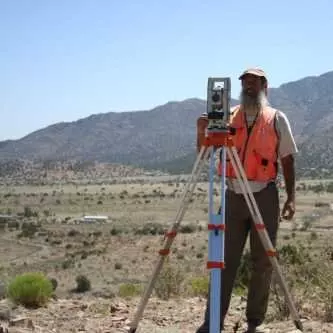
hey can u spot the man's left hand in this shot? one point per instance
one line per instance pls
(288, 210)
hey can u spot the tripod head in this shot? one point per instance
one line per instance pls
(218, 104)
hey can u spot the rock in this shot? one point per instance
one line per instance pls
(3, 327)
(19, 330)
(22, 322)
(113, 308)
(5, 313)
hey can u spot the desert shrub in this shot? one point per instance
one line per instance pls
(73, 233)
(82, 284)
(169, 282)
(328, 303)
(313, 236)
(129, 290)
(54, 283)
(31, 290)
(200, 255)
(14, 225)
(118, 265)
(28, 230)
(28, 212)
(280, 308)
(150, 229)
(292, 254)
(324, 294)
(46, 212)
(329, 187)
(187, 228)
(317, 188)
(308, 221)
(84, 254)
(199, 286)
(309, 279)
(68, 263)
(321, 204)
(116, 231)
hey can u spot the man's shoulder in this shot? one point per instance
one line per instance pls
(282, 124)
(279, 113)
(280, 117)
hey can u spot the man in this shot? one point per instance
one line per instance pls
(263, 136)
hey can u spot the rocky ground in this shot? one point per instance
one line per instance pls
(100, 315)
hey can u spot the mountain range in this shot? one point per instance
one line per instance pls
(165, 136)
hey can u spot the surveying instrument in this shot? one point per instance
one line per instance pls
(217, 134)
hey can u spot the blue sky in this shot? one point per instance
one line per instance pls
(63, 60)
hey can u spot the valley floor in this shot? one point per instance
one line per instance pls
(44, 234)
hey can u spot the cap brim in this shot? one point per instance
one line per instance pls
(252, 72)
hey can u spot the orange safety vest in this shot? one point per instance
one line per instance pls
(257, 151)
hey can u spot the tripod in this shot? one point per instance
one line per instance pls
(218, 135)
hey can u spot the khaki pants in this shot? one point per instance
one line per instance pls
(238, 224)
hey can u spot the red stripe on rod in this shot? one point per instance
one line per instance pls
(215, 264)
(260, 226)
(164, 252)
(216, 226)
(271, 253)
(171, 234)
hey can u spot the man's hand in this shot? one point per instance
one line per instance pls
(288, 210)
(288, 167)
(202, 123)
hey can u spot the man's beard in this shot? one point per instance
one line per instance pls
(253, 103)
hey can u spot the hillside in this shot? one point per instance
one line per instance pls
(25, 172)
(163, 133)
(164, 137)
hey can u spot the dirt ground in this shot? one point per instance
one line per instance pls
(118, 256)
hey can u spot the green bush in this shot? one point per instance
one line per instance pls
(169, 282)
(293, 255)
(31, 290)
(129, 290)
(199, 286)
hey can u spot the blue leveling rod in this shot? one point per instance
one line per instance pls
(216, 238)
(218, 114)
